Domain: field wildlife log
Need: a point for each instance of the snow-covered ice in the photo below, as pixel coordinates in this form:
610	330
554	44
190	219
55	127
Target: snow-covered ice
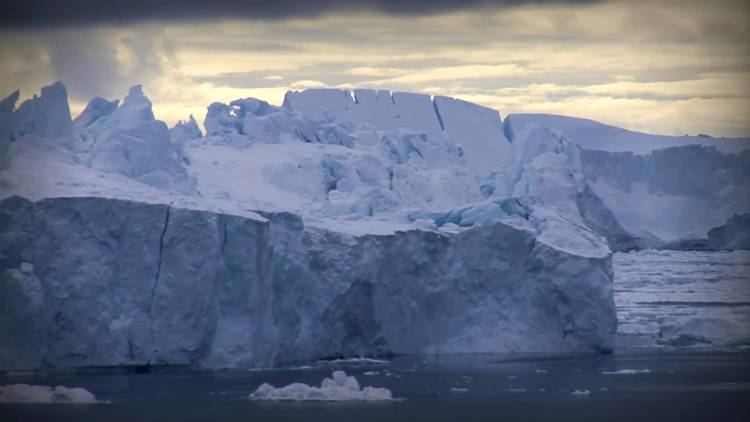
340	387
24	393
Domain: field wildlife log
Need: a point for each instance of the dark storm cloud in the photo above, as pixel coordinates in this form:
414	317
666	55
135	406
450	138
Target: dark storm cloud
51	13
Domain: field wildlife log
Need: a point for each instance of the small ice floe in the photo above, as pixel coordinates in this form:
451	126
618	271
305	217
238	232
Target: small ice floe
512	377
627	372
515	390
355	361
339	388
283	368
371	373
459	390
541	371
580	393
25	393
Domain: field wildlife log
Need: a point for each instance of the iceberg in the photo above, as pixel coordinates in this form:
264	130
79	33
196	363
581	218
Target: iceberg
340	387
734	234
627	372
24	393
341	223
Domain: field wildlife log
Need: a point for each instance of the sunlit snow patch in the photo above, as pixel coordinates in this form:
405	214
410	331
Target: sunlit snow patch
24	393
627	372
339	388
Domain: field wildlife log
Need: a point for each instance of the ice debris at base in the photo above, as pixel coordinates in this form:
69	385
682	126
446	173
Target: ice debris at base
24	393
627	372
340	387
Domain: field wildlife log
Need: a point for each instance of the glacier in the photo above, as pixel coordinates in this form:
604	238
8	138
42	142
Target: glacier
340	223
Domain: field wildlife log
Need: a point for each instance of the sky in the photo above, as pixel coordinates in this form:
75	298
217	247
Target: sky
668	67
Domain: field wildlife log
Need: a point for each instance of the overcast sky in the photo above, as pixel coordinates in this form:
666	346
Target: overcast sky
670	67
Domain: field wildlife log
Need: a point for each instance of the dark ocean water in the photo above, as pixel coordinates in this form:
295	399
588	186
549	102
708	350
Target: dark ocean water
680	386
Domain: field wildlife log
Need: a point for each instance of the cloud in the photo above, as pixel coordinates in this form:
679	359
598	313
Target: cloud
639	64
377	72
50	13
304	84
453	73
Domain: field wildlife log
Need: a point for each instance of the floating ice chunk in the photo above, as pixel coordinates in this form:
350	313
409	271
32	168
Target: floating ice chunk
25	393
627	372
339	388
581	393
371	373
459	390
356	361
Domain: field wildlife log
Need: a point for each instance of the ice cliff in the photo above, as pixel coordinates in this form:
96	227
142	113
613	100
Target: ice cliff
339	223
97	281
